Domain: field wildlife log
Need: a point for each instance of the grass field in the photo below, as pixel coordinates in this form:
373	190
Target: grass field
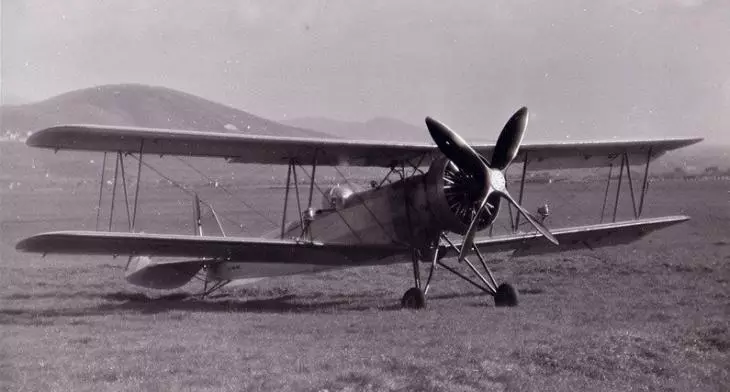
650	316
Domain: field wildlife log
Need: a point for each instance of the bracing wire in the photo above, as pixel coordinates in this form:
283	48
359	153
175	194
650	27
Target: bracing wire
226	191
185	190
362	201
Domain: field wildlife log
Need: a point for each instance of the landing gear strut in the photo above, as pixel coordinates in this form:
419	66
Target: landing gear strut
210	286
415	298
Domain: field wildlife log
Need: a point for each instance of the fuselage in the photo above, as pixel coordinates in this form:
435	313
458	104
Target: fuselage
411	212
396	213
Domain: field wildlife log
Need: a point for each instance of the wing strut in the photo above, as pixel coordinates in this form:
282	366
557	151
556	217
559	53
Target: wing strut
625	164
124	186
339	213
101	191
618	187
136	189
304	215
522	192
311	184
645	184
631	185
605	194
286	200
296	191
114	191
119	169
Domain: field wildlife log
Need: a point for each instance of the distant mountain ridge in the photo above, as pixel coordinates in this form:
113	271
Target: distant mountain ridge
378	128
160	107
138	105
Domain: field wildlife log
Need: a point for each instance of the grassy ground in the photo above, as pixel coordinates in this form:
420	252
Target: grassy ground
651	316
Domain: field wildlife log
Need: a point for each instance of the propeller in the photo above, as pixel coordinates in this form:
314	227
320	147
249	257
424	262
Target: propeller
488	176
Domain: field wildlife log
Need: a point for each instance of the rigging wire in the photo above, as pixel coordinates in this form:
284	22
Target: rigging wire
187	191
338	212
226	191
362	201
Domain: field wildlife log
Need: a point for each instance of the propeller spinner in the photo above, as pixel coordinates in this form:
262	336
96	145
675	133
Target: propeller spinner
488	176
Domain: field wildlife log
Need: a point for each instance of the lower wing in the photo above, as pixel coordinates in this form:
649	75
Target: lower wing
590	237
216	248
331	254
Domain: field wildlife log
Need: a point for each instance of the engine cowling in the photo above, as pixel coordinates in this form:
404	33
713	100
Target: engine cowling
453	196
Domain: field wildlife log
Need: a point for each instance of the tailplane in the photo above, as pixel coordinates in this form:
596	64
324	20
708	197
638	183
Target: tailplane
142	271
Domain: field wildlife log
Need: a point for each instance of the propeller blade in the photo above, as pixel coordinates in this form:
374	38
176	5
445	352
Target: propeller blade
508	143
457	150
539	226
468	242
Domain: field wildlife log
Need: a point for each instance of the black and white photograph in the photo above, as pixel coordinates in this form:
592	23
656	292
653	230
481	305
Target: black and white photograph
342	196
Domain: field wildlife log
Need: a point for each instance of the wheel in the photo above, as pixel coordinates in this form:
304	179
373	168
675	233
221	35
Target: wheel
413	299
506	295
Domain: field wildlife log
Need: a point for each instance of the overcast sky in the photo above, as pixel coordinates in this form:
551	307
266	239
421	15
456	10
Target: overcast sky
586	69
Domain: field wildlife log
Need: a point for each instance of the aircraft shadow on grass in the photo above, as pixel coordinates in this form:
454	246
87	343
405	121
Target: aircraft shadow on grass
120	302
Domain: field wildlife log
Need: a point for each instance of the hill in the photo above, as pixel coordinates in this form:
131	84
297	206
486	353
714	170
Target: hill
379	128
137	105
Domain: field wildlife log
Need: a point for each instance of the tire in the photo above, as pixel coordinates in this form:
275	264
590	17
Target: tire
506	295
413	299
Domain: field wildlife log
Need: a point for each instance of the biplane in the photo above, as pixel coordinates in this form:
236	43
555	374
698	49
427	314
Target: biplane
427	210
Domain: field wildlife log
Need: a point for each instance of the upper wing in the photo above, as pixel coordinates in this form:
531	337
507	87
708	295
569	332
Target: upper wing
591	236
219	248
245	148
574	155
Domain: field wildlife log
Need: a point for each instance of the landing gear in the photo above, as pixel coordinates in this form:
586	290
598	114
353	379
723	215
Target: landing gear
506	295
413	299
210	283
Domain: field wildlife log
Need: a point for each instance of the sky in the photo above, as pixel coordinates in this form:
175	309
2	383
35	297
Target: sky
586	69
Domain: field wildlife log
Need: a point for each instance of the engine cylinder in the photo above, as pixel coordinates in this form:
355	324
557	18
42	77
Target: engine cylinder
453	197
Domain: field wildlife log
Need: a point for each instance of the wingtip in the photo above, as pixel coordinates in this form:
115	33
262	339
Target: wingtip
24	245
32	140
695	140
42	137
35	243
